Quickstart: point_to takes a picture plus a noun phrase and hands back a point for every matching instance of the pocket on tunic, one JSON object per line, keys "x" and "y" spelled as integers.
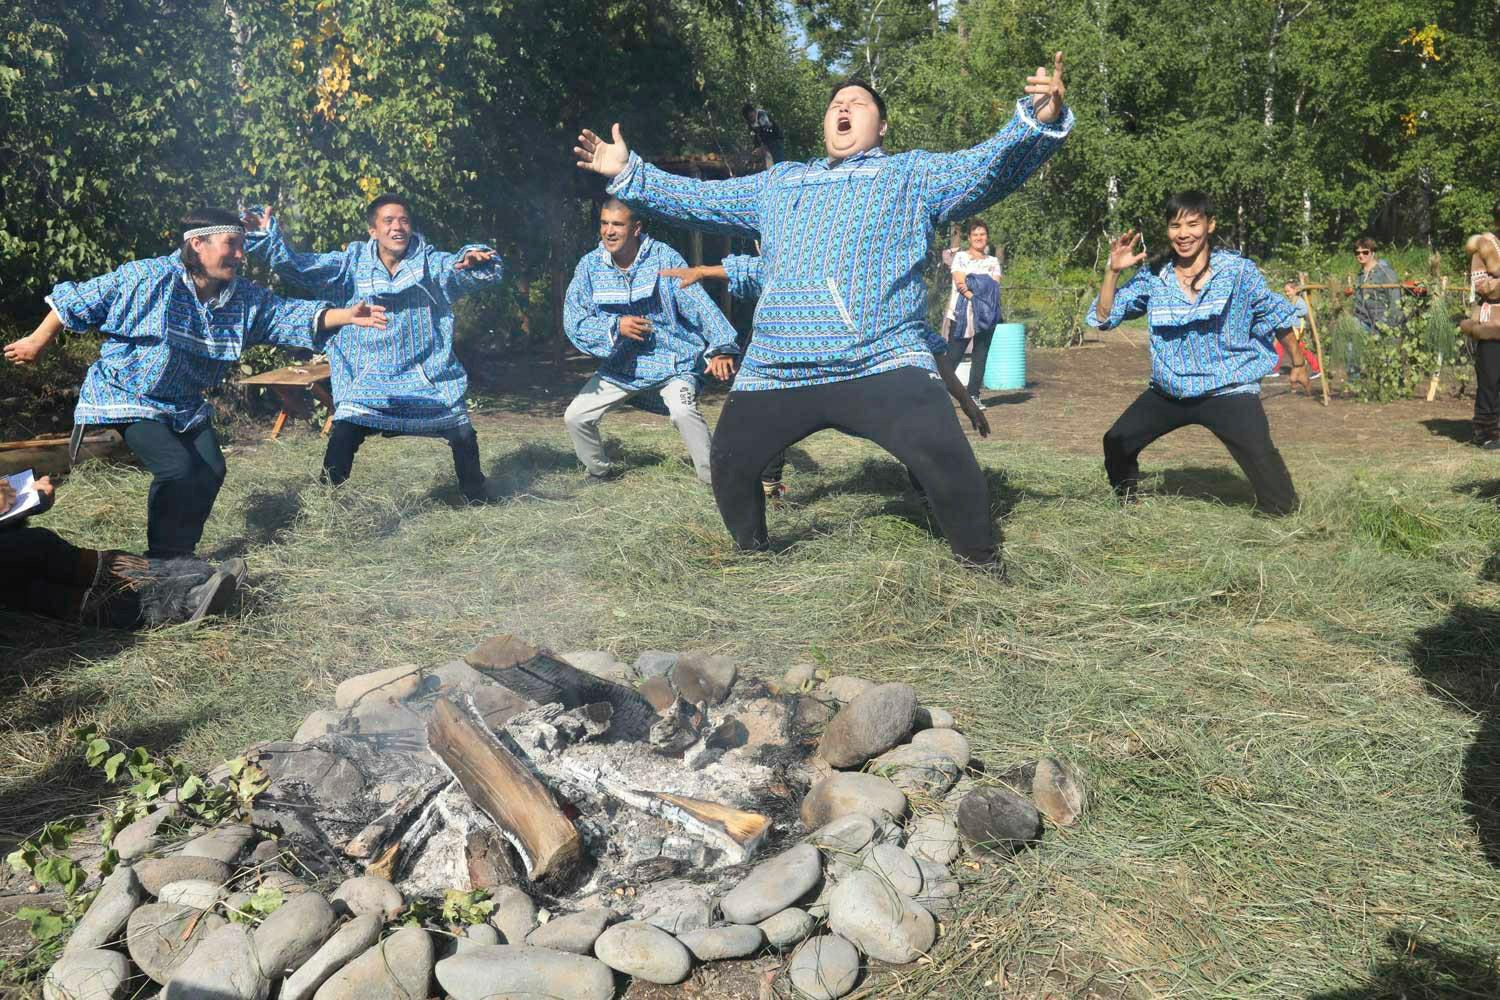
{"x": 803, "y": 323}
{"x": 381, "y": 384}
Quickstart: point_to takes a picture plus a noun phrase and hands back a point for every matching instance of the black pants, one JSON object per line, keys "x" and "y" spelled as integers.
{"x": 1237, "y": 420}
{"x": 346, "y": 438}
{"x": 905, "y": 411}
{"x": 47, "y": 575}
{"x": 977, "y": 360}
{"x": 187, "y": 471}
{"x": 1486, "y": 390}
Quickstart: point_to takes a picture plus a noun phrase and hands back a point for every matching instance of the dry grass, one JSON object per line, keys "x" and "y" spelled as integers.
{"x": 1290, "y": 727}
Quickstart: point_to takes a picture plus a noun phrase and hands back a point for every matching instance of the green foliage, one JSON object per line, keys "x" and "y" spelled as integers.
{"x": 1396, "y": 361}
{"x": 262, "y": 903}
{"x": 460, "y": 907}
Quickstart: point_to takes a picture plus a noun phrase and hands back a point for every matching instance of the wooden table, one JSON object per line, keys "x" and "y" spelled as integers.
{"x": 288, "y": 384}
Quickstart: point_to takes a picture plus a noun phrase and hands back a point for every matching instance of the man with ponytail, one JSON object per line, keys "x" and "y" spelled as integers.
{"x": 175, "y": 327}
{"x": 1214, "y": 324}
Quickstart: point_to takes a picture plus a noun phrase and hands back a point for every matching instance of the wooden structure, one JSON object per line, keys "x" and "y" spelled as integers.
{"x": 289, "y": 384}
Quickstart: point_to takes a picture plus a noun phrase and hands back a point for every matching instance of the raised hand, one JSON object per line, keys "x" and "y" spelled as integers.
{"x": 364, "y": 314}
{"x": 26, "y": 350}
{"x": 473, "y": 258}
{"x": 722, "y": 367}
{"x": 1122, "y": 251}
{"x": 688, "y": 276}
{"x": 254, "y": 221}
{"x": 1047, "y": 90}
{"x": 606, "y": 158}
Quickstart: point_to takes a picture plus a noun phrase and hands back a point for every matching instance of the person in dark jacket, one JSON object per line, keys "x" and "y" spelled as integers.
{"x": 45, "y": 574}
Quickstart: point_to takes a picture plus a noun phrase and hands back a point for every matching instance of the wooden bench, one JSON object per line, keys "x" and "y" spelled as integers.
{"x": 288, "y": 384}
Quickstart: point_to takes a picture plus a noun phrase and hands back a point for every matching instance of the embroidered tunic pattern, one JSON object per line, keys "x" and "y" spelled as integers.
{"x": 1220, "y": 344}
{"x": 406, "y": 377}
{"x": 686, "y": 325}
{"x": 163, "y": 348}
{"x": 844, "y": 244}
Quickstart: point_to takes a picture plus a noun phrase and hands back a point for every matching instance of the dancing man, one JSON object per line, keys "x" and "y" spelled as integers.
{"x": 652, "y": 333}
{"x": 174, "y": 328}
{"x": 1213, "y": 320}
{"x": 407, "y": 381}
{"x": 840, "y": 335}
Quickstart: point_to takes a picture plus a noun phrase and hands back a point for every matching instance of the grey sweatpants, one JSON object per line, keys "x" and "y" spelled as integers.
{"x": 599, "y": 397}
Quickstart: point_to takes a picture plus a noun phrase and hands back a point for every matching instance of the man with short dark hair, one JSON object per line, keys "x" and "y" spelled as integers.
{"x": 651, "y": 334}
{"x": 175, "y": 327}
{"x": 407, "y": 381}
{"x": 840, "y": 338}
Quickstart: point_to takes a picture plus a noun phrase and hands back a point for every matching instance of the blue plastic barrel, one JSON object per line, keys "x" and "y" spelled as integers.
{"x": 1006, "y": 366}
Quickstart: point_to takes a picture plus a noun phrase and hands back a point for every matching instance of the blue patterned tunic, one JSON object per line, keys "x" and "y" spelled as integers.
{"x": 1223, "y": 343}
{"x": 686, "y": 325}
{"x": 406, "y": 377}
{"x": 163, "y": 348}
{"x": 844, "y": 243}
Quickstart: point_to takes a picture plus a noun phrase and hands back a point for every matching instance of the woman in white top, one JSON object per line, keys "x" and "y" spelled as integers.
{"x": 974, "y": 259}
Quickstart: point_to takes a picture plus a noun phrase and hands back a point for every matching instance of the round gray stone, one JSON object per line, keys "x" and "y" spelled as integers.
{"x": 482, "y": 934}
{"x": 143, "y": 835}
{"x": 895, "y": 867}
{"x": 841, "y": 794}
{"x": 510, "y": 972}
{"x": 223, "y": 967}
{"x": 158, "y": 939}
{"x": 704, "y": 677}
{"x": 999, "y": 821}
{"x": 157, "y": 872}
{"x": 799, "y": 677}
{"x": 846, "y": 835}
{"x": 87, "y": 974}
{"x": 368, "y": 894}
{"x": 398, "y": 968}
{"x": 773, "y": 885}
{"x": 784, "y": 929}
{"x": 945, "y": 741}
{"x": 348, "y": 941}
{"x": 878, "y": 920}
{"x": 842, "y": 689}
{"x": 107, "y": 915}
{"x": 319, "y": 722}
{"x": 869, "y": 725}
{"x": 917, "y": 771}
{"x": 194, "y": 892}
{"x": 601, "y": 663}
{"x": 933, "y": 837}
{"x": 574, "y": 933}
{"x": 289, "y": 885}
{"x": 293, "y": 933}
{"x": 638, "y": 949}
{"x": 514, "y": 915}
{"x": 223, "y": 843}
{"x": 934, "y": 718}
{"x": 939, "y": 889}
{"x": 655, "y": 663}
{"x": 824, "y": 968}
{"x": 715, "y": 943}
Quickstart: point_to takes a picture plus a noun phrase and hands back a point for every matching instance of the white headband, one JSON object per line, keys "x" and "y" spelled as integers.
{"x": 212, "y": 231}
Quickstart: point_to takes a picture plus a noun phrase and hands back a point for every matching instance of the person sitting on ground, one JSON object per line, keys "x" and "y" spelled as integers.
{"x": 1212, "y": 320}
{"x": 175, "y": 327}
{"x": 974, "y": 259}
{"x": 407, "y": 381}
{"x": 840, "y": 338}
{"x": 1483, "y": 327}
{"x": 1299, "y": 303}
{"x": 47, "y": 575}
{"x": 652, "y": 334}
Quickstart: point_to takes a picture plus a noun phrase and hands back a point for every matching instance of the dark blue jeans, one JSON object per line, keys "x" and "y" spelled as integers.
{"x": 187, "y": 471}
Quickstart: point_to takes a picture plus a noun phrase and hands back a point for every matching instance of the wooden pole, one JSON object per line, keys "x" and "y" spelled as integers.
{"x": 1312, "y": 324}
{"x": 1437, "y": 372}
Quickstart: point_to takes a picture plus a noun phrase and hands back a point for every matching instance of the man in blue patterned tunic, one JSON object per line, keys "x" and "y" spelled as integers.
{"x": 407, "y": 381}
{"x": 174, "y": 328}
{"x": 1214, "y": 322}
{"x": 840, "y": 336}
{"x": 652, "y": 334}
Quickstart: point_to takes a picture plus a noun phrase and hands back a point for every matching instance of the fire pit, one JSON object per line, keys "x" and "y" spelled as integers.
{"x": 549, "y": 823}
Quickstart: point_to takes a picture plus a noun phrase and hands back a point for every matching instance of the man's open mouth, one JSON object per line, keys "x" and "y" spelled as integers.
{"x": 842, "y": 125}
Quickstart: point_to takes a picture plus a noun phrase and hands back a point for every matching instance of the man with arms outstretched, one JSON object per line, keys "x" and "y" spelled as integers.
{"x": 840, "y": 338}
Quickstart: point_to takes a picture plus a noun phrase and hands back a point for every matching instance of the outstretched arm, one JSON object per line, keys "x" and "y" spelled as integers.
{"x": 74, "y": 305}
{"x": 1114, "y": 306}
{"x": 325, "y": 275}
{"x": 727, "y": 206}
{"x": 959, "y": 184}
{"x": 723, "y": 347}
{"x": 469, "y": 270}
{"x": 743, "y": 272}
{"x": 29, "y": 349}
{"x": 308, "y": 324}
